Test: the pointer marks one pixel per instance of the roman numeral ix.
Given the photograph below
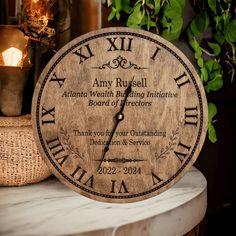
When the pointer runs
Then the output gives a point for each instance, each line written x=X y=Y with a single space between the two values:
x=48 y=116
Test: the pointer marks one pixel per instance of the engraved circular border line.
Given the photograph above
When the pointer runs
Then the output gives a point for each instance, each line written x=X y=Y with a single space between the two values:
x=101 y=35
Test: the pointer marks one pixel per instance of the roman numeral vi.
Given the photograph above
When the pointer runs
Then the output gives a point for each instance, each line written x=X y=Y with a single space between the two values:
x=118 y=188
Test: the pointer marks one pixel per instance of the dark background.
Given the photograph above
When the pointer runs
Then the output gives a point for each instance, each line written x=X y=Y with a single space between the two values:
x=217 y=161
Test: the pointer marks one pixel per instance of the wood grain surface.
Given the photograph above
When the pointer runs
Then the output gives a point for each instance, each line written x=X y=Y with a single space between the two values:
x=119 y=115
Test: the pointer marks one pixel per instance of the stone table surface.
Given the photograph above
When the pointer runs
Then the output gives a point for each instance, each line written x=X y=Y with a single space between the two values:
x=50 y=208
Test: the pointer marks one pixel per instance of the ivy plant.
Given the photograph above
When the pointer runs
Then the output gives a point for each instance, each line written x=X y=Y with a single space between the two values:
x=163 y=17
x=211 y=34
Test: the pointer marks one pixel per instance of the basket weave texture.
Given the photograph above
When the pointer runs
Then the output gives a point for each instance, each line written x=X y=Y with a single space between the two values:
x=20 y=162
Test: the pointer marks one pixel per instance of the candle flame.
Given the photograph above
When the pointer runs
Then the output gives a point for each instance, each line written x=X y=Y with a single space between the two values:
x=12 y=56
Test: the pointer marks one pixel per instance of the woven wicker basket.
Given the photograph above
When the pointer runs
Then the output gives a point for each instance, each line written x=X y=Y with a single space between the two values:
x=20 y=163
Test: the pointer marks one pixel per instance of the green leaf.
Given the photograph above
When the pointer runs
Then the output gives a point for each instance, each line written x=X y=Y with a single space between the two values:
x=215 y=76
x=215 y=84
x=172 y=29
x=219 y=38
x=135 y=17
x=219 y=19
x=204 y=74
x=157 y=6
x=195 y=45
x=212 y=5
x=212 y=133
x=200 y=62
x=148 y=21
x=213 y=66
x=182 y=3
x=117 y=15
x=150 y=4
x=173 y=8
x=215 y=47
x=126 y=6
x=144 y=21
x=174 y=5
x=117 y=4
x=112 y=14
x=199 y=24
x=212 y=111
x=117 y=7
x=198 y=51
x=230 y=32
x=172 y=20
x=153 y=24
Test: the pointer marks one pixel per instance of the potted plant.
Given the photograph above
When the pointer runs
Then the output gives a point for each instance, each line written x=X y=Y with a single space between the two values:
x=208 y=28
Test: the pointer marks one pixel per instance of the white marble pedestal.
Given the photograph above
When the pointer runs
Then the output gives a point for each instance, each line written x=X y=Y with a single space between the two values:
x=50 y=208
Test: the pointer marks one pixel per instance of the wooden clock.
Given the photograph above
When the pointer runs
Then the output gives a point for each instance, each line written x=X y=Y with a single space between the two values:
x=119 y=115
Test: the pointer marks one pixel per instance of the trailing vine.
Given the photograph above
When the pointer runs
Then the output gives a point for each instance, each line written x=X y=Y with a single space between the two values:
x=163 y=17
x=211 y=34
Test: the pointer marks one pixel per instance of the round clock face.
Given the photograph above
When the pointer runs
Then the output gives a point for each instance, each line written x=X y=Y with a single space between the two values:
x=119 y=115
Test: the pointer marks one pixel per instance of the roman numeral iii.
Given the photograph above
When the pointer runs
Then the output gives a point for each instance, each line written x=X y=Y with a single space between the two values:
x=120 y=44
x=190 y=116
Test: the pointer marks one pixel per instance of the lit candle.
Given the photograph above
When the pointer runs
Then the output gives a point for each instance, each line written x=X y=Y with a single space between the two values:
x=14 y=69
x=12 y=56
